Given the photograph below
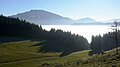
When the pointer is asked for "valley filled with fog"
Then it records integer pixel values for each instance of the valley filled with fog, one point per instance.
(84, 30)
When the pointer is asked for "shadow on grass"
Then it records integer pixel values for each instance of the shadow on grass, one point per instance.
(91, 53)
(10, 39)
(54, 47)
(46, 46)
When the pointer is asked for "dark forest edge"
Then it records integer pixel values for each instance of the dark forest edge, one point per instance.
(55, 40)
(103, 43)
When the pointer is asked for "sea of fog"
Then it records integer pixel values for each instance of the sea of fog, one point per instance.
(84, 30)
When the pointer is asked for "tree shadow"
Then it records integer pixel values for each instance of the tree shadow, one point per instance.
(94, 52)
(51, 46)
(46, 46)
(10, 39)
(90, 53)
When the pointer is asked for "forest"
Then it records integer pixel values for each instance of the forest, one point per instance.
(55, 40)
(104, 43)
(25, 44)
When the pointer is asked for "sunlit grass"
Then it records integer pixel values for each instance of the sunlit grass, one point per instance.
(24, 54)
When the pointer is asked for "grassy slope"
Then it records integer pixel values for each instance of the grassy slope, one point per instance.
(24, 54)
(108, 59)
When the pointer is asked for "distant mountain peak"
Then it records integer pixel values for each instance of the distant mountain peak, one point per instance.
(112, 20)
(86, 19)
(42, 17)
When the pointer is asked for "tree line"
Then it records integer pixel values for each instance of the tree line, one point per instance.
(103, 43)
(57, 40)
(15, 27)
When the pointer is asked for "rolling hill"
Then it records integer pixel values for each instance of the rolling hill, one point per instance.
(24, 54)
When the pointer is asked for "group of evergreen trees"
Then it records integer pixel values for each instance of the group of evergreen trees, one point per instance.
(17, 28)
(104, 43)
(57, 40)
(14, 27)
(69, 40)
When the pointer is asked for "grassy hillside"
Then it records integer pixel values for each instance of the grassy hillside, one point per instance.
(108, 59)
(25, 54)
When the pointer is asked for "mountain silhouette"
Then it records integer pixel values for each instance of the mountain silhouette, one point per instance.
(43, 17)
(86, 20)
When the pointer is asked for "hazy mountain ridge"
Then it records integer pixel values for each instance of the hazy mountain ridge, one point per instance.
(43, 17)
(86, 20)
(90, 21)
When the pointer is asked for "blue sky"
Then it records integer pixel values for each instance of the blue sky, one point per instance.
(74, 9)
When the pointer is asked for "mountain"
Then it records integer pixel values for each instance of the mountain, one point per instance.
(86, 20)
(90, 21)
(43, 17)
(112, 20)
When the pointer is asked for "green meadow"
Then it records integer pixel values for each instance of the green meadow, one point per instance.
(25, 54)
